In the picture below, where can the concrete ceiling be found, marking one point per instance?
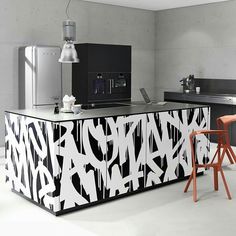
(156, 5)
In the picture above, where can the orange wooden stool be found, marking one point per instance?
(217, 165)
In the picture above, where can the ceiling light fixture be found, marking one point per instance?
(68, 53)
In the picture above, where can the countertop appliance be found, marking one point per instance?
(103, 74)
(40, 79)
(188, 83)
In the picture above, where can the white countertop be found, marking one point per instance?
(135, 108)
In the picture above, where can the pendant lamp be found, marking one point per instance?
(68, 53)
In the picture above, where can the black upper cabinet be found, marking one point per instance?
(103, 74)
(109, 58)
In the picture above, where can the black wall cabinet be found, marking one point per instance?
(103, 73)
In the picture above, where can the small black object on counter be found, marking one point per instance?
(56, 108)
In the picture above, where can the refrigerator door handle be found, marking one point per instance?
(110, 81)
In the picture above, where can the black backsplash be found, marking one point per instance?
(218, 86)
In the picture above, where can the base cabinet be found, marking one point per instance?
(168, 146)
(81, 162)
(126, 144)
(30, 159)
(68, 165)
(162, 157)
(190, 120)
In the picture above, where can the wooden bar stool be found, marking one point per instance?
(217, 165)
(223, 123)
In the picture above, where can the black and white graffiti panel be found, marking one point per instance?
(81, 157)
(100, 158)
(126, 140)
(73, 163)
(193, 119)
(168, 146)
(30, 158)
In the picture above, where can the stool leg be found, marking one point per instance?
(188, 183)
(220, 159)
(216, 153)
(225, 184)
(229, 156)
(216, 183)
(194, 184)
(232, 153)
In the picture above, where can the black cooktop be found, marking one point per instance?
(102, 105)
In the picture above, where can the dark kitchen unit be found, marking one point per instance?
(100, 155)
(219, 94)
(103, 74)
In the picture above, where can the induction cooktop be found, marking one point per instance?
(102, 105)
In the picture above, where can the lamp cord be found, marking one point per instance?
(67, 9)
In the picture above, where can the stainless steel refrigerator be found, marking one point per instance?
(40, 76)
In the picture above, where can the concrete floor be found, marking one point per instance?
(160, 212)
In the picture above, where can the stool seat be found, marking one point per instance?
(227, 119)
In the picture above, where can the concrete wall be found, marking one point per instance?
(198, 40)
(166, 45)
(29, 22)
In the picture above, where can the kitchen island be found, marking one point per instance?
(66, 162)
